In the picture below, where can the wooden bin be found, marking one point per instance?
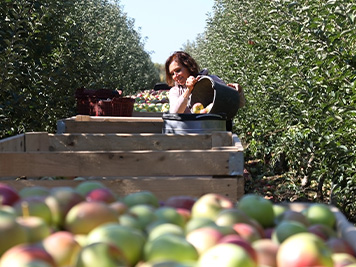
(166, 164)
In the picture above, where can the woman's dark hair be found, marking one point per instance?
(186, 60)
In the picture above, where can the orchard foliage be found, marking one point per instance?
(297, 63)
(49, 48)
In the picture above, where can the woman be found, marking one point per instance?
(182, 73)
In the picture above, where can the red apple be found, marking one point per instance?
(26, 255)
(247, 232)
(210, 205)
(323, 231)
(266, 251)
(304, 250)
(339, 245)
(239, 241)
(8, 195)
(204, 238)
(101, 194)
(63, 247)
(85, 216)
(182, 202)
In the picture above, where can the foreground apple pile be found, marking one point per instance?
(90, 226)
(151, 101)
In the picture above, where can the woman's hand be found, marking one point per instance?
(191, 81)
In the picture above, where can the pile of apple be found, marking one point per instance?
(89, 225)
(151, 101)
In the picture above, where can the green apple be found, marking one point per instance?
(286, 229)
(258, 208)
(85, 187)
(197, 107)
(165, 228)
(85, 216)
(142, 197)
(229, 217)
(129, 240)
(11, 233)
(145, 214)
(198, 222)
(34, 191)
(130, 220)
(343, 259)
(304, 249)
(278, 211)
(34, 206)
(320, 213)
(227, 255)
(63, 247)
(210, 205)
(170, 247)
(37, 229)
(171, 215)
(100, 254)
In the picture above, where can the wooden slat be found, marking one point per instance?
(13, 144)
(102, 124)
(163, 188)
(127, 142)
(122, 163)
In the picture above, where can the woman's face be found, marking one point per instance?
(179, 72)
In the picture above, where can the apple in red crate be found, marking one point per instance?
(100, 254)
(210, 204)
(63, 247)
(11, 231)
(85, 216)
(8, 195)
(304, 250)
(239, 241)
(204, 238)
(227, 255)
(27, 255)
(101, 194)
(129, 240)
(181, 202)
(258, 208)
(266, 252)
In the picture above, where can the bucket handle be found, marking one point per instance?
(209, 115)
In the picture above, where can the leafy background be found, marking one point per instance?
(295, 59)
